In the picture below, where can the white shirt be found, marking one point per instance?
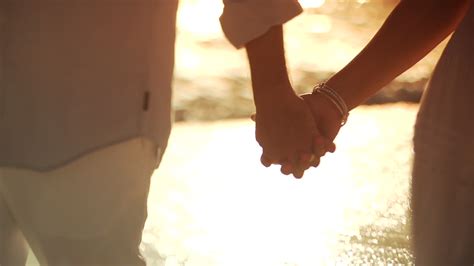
(78, 75)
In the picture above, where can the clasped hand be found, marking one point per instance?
(296, 131)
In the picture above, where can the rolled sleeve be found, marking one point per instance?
(245, 20)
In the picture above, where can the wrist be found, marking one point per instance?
(273, 96)
(323, 103)
(338, 85)
(269, 83)
(334, 98)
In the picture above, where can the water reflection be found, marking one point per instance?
(211, 203)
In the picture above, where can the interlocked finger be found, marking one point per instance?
(315, 161)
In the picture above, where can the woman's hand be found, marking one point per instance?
(325, 115)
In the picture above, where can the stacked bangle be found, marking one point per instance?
(335, 98)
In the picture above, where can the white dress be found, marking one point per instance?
(443, 172)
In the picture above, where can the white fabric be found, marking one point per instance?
(246, 20)
(443, 173)
(97, 198)
(78, 75)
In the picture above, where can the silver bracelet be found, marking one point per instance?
(335, 98)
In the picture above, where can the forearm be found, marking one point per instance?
(411, 31)
(268, 67)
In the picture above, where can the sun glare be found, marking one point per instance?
(312, 3)
(200, 18)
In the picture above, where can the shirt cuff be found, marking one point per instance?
(243, 21)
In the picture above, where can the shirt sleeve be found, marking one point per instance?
(245, 20)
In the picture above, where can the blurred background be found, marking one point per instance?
(212, 78)
(211, 202)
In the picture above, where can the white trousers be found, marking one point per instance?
(89, 212)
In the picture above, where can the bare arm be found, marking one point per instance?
(284, 126)
(411, 31)
(268, 69)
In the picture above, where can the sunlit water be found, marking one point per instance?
(212, 203)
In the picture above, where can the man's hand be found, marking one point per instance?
(286, 131)
(285, 127)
